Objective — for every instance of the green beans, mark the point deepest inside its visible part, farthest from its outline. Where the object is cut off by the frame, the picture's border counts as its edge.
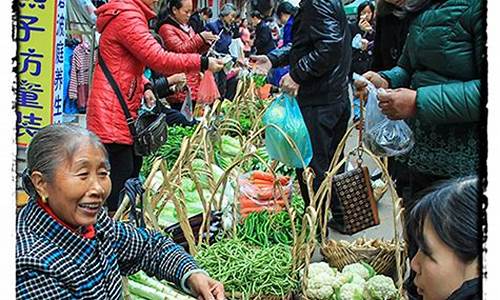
(249, 270)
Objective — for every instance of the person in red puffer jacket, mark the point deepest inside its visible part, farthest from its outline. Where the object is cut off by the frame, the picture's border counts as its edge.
(178, 36)
(126, 46)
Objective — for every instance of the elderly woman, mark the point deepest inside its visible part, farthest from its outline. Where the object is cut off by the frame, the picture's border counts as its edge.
(67, 245)
(126, 47)
(446, 225)
(179, 37)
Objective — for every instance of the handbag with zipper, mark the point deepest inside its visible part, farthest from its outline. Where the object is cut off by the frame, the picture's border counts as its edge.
(149, 131)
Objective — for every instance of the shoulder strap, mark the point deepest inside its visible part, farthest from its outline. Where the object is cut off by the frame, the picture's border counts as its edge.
(114, 85)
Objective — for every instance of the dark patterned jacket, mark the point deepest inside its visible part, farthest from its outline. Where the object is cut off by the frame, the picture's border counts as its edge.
(52, 262)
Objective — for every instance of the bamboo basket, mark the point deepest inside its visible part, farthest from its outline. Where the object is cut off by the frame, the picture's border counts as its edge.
(387, 257)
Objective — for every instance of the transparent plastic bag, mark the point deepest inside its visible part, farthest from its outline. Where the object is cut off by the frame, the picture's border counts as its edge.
(382, 136)
(284, 113)
(258, 192)
(187, 106)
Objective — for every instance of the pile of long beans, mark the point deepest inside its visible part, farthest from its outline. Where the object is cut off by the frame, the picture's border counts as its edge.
(247, 270)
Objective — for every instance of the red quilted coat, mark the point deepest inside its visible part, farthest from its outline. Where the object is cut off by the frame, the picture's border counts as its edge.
(176, 39)
(127, 46)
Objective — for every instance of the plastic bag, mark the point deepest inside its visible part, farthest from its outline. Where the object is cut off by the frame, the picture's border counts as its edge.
(187, 106)
(285, 114)
(208, 91)
(384, 137)
(258, 192)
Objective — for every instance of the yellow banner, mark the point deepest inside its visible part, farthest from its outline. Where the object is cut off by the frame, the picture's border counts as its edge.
(40, 36)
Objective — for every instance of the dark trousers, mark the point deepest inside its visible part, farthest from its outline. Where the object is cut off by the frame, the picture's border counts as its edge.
(327, 125)
(178, 105)
(124, 165)
(410, 185)
(220, 80)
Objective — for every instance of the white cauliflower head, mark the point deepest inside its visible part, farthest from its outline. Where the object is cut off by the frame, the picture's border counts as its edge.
(340, 279)
(362, 269)
(357, 279)
(319, 281)
(350, 291)
(380, 287)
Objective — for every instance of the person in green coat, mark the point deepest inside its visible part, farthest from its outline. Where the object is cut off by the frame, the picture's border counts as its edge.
(436, 89)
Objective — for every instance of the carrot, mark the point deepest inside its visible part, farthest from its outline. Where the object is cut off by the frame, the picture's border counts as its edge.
(284, 180)
(261, 181)
(245, 212)
(262, 175)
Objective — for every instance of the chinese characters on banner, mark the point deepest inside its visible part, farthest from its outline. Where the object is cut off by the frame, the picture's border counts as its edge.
(41, 36)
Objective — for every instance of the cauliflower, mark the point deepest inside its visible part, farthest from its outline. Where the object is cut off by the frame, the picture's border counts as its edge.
(362, 269)
(357, 279)
(350, 291)
(380, 287)
(320, 281)
(340, 279)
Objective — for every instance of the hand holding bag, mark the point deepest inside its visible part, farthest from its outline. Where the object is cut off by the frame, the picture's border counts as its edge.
(149, 131)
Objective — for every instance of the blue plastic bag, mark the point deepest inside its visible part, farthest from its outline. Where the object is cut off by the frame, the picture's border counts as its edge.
(285, 114)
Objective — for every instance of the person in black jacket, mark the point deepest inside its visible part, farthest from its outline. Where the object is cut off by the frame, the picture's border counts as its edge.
(198, 20)
(263, 42)
(446, 225)
(319, 58)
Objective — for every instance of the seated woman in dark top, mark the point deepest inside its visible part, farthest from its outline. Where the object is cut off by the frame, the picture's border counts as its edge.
(446, 225)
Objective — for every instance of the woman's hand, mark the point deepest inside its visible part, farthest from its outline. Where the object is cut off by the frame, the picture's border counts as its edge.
(208, 37)
(149, 98)
(205, 287)
(398, 104)
(364, 44)
(377, 80)
(179, 78)
(215, 64)
(262, 64)
(365, 25)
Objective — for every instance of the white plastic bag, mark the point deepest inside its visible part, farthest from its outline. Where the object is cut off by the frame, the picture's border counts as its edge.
(187, 106)
(383, 137)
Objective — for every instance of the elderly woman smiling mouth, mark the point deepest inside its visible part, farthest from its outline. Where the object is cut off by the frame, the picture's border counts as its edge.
(68, 247)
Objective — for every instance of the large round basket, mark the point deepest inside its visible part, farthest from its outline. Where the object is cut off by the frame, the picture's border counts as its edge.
(380, 254)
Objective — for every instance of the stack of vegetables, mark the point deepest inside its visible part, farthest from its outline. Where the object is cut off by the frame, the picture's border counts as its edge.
(141, 286)
(226, 151)
(259, 192)
(170, 150)
(249, 272)
(265, 228)
(357, 281)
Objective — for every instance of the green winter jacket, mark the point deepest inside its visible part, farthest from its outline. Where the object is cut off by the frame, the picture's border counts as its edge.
(442, 61)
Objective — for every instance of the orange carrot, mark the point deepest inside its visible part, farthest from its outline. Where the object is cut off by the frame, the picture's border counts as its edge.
(262, 175)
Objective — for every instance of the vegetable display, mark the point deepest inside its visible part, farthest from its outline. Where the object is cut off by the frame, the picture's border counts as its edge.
(357, 281)
(141, 286)
(247, 270)
(264, 228)
(170, 150)
(258, 192)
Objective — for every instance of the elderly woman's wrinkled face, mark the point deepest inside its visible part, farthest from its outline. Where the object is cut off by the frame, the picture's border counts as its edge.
(439, 270)
(80, 186)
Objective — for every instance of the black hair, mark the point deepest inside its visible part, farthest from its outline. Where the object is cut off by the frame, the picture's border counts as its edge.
(166, 10)
(256, 14)
(286, 8)
(413, 7)
(207, 11)
(365, 4)
(265, 7)
(453, 209)
(51, 146)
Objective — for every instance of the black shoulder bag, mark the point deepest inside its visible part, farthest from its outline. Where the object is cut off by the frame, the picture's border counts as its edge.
(149, 131)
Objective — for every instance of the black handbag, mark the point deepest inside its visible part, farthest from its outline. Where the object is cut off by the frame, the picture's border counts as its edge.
(149, 131)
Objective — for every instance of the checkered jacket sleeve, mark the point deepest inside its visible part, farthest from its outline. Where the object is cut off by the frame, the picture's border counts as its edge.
(40, 285)
(143, 249)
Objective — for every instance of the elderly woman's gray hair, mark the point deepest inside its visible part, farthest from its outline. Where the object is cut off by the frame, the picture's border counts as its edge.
(52, 146)
(227, 9)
